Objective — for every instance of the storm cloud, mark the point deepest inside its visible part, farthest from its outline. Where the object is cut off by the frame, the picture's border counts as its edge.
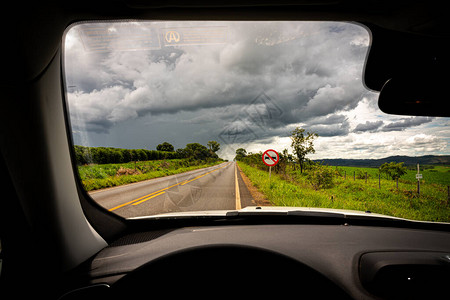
(252, 82)
(368, 126)
(283, 61)
(406, 123)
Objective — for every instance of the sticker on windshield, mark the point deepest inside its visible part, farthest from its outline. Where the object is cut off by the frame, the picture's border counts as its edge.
(119, 37)
(136, 36)
(204, 35)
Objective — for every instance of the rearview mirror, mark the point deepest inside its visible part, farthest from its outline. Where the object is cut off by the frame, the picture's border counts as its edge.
(423, 95)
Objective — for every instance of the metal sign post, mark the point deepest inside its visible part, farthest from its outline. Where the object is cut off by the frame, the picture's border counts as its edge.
(270, 158)
(418, 177)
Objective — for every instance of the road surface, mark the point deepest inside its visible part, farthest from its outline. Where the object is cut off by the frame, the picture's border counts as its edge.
(214, 188)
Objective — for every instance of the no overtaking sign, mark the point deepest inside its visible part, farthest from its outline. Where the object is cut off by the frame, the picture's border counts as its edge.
(270, 158)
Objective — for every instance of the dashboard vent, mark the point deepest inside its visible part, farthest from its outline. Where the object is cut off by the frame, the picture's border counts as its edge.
(406, 275)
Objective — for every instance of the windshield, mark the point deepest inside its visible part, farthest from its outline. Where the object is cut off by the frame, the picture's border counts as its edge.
(183, 116)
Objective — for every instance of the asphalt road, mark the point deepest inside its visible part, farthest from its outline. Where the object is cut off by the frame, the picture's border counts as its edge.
(214, 188)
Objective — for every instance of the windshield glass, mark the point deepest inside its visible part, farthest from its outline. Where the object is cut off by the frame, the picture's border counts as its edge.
(183, 116)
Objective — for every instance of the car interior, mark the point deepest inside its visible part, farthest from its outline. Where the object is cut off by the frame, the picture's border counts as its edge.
(56, 243)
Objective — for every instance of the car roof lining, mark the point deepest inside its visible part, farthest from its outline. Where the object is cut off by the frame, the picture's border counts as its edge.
(417, 18)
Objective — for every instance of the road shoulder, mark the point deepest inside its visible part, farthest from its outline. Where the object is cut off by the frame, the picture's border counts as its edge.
(255, 196)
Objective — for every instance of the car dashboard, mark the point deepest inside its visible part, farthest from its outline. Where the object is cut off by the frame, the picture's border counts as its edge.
(58, 244)
(309, 260)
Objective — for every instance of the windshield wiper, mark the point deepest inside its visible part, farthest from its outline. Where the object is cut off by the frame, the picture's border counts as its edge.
(333, 218)
(279, 215)
(289, 216)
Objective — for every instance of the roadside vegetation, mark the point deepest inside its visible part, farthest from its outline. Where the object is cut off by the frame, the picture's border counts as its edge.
(390, 189)
(328, 189)
(101, 167)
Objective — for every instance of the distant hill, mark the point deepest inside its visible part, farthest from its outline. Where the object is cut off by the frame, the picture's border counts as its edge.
(375, 163)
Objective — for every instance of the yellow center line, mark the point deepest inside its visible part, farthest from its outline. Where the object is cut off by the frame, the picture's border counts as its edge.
(192, 179)
(130, 202)
(161, 191)
(137, 203)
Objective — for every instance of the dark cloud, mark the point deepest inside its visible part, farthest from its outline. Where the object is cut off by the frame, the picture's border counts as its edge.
(264, 79)
(330, 99)
(329, 125)
(401, 125)
(328, 120)
(331, 130)
(406, 123)
(368, 126)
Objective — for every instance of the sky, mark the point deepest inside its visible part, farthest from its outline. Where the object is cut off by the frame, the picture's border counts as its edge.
(244, 84)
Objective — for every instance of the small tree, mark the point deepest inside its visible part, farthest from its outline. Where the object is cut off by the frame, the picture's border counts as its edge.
(302, 145)
(240, 154)
(213, 146)
(393, 170)
(321, 177)
(165, 147)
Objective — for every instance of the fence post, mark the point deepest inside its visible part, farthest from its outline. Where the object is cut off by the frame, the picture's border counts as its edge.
(366, 177)
(354, 175)
(418, 187)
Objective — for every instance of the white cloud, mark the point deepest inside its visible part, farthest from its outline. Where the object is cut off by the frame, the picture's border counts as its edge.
(426, 143)
(85, 108)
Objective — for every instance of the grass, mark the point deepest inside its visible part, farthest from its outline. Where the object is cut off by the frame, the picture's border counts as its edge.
(98, 176)
(435, 175)
(293, 189)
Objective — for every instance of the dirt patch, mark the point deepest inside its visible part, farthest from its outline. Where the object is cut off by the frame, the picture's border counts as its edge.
(258, 198)
(124, 171)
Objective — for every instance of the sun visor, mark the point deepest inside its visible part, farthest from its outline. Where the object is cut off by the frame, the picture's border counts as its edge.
(419, 94)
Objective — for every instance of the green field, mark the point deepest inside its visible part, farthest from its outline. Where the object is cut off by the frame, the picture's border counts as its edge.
(295, 189)
(98, 176)
(431, 174)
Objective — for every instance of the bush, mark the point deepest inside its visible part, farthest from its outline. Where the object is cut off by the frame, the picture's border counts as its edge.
(362, 175)
(321, 177)
(107, 155)
(393, 170)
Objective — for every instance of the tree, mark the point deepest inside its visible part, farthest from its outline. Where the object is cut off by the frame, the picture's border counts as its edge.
(140, 155)
(181, 153)
(285, 158)
(302, 145)
(393, 170)
(82, 155)
(240, 154)
(197, 151)
(165, 147)
(213, 146)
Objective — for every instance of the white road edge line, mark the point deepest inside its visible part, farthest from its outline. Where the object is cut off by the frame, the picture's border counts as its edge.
(238, 195)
